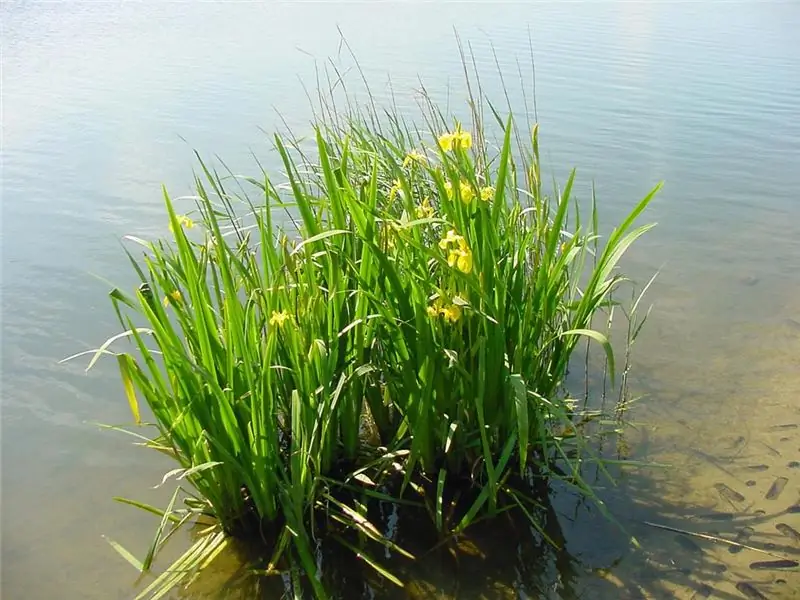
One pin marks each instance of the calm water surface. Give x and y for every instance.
(103, 102)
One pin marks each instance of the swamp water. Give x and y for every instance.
(102, 102)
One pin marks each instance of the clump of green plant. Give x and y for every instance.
(392, 319)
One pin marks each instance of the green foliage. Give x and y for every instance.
(394, 319)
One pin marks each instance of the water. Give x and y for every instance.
(103, 102)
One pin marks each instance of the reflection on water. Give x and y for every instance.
(103, 102)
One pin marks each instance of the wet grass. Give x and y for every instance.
(389, 319)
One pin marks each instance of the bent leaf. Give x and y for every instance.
(127, 383)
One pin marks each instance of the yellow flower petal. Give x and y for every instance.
(435, 308)
(451, 238)
(466, 191)
(457, 140)
(459, 256)
(452, 258)
(451, 313)
(173, 298)
(464, 263)
(425, 210)
(487, 193)
(414, 157)
(183, 221)
(279, 318)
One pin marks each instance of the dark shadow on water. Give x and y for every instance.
(593, 558)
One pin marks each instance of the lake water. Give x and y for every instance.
(103, 101)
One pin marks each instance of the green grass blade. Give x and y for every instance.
(136, 563)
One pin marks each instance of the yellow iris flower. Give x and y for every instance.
(425, 210)
(173, 298)
(461, 258)
(435, 307)
(279, 318)
(451, 238)
(487, 193)
(183, 221)
(459, 254)
(465, 191)
(458, 139)
(463, 139)
(451, 312)
(414, 157)
(446, 141)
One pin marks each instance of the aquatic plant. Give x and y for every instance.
(392, 318)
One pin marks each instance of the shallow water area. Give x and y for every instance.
(103, 102)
